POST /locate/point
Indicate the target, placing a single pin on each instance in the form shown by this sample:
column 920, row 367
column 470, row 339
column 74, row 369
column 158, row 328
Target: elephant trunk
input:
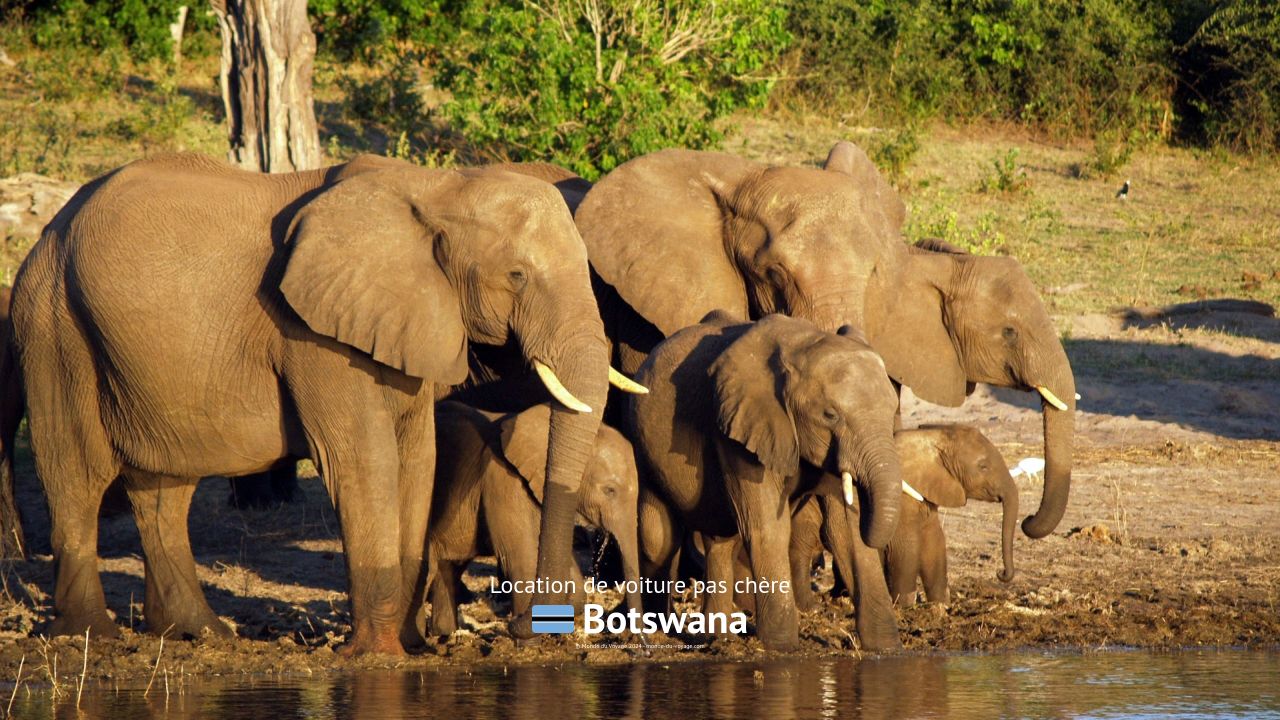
column 880, row 482
column 572, row 346
column 625, row 532
column 1059, row 430
column 1008, row 494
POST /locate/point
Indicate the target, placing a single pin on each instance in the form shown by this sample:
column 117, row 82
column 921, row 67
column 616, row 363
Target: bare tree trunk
column 267, row 54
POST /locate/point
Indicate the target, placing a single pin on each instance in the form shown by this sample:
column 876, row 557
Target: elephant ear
column 849, row 159
column 915, row 343
column 362, row 269
column 749, row 382
column 654, row 230
column 944, row 485
column 523, row 441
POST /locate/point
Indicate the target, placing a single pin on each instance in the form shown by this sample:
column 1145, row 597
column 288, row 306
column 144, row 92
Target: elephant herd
column 441, row 344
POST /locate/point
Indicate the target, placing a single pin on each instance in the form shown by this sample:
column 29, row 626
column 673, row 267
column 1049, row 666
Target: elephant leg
column 721, row 554
column 745, row 600
column 78, row 598
column 75, row 471
column 933, row 561
column 764, row 520
column 902, row 567
column 806, row 528
column 444, row 599
column 174, row 603
column 660, row 541
column 417, row 454
column 353, row 443
column 863, row 569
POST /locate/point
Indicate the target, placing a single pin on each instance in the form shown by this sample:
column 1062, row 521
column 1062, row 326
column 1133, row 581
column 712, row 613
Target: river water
column 1235, row 684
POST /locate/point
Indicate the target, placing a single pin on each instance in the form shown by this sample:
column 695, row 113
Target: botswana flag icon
column 553, row 619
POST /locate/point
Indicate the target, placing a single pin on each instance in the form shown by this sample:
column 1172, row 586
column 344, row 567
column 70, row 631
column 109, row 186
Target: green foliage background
column 524, row 80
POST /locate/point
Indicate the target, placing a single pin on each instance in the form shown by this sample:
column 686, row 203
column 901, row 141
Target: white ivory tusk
column 846, row 481
column 915, row 494
column 626, row 384
column 1053, row 399
column 557, row 388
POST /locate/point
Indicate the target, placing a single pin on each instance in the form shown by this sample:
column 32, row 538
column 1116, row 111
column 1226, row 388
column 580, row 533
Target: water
column 1099, row 685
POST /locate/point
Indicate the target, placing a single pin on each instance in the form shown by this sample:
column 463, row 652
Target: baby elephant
column 947, row 465
column 488, row 496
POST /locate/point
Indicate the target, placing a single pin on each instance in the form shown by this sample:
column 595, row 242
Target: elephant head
column 410, row 265
column 789, row 392
column 950, row 464
column 680, row 233
column 608, row 496
column 945, row 320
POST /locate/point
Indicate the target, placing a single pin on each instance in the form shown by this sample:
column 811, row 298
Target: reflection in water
column 1227, row 684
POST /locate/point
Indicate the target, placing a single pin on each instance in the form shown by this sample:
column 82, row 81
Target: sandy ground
column 1171, row 538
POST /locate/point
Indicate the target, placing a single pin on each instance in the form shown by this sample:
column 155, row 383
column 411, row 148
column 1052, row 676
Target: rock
column 29, row 201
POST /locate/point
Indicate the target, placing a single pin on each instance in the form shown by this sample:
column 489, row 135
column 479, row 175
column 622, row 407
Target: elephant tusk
column 1051, row 398
column 846, row 482
column 915, row 494
column 557, row 388
column 626, row 384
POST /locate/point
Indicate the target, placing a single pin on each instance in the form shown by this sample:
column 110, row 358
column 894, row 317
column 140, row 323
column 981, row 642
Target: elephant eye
column 830, row 415
column 517, row 278
column 610, row 491
column 1010, row 334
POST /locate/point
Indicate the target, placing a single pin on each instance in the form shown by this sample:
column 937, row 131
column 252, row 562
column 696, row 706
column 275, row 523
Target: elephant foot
column 781, row 643
column 521, row 626
column 879, row 640
column 372, row 643
column 192, row 625
column 412, row 641
column 98, row 624
column 443, row 626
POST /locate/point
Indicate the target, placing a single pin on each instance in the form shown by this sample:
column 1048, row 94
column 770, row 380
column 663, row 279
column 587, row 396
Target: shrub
column 1071, row 66
column 141, row 26
column 1006, row 176
column 589, row 83
column 1232, row 64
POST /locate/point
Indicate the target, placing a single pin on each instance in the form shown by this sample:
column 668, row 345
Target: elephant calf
column 735, row 414
column 947, row 465
column 942, row 466
column 489, row 493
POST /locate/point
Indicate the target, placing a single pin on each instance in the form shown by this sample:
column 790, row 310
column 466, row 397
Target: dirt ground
column 1171, row 538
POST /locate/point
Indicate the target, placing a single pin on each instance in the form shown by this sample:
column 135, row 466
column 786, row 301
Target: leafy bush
column 1232, row 64
column 590, row 83
column 142, row 26
column 1006, row 176
column 370, row 29
column 1073, row 66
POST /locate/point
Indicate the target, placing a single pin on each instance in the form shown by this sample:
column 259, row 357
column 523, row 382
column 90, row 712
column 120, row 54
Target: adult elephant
column 181, row 318
column 678, row 233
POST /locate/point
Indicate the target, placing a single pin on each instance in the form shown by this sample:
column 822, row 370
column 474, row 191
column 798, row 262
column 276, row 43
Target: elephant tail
column 12, row 405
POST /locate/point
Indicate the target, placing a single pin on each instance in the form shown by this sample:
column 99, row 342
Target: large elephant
column 181, row 318
column 490, row 482
column 735, row 411
column 678, row 233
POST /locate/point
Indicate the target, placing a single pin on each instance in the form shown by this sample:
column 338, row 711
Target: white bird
column 1030, row 467
column 1123, row 193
